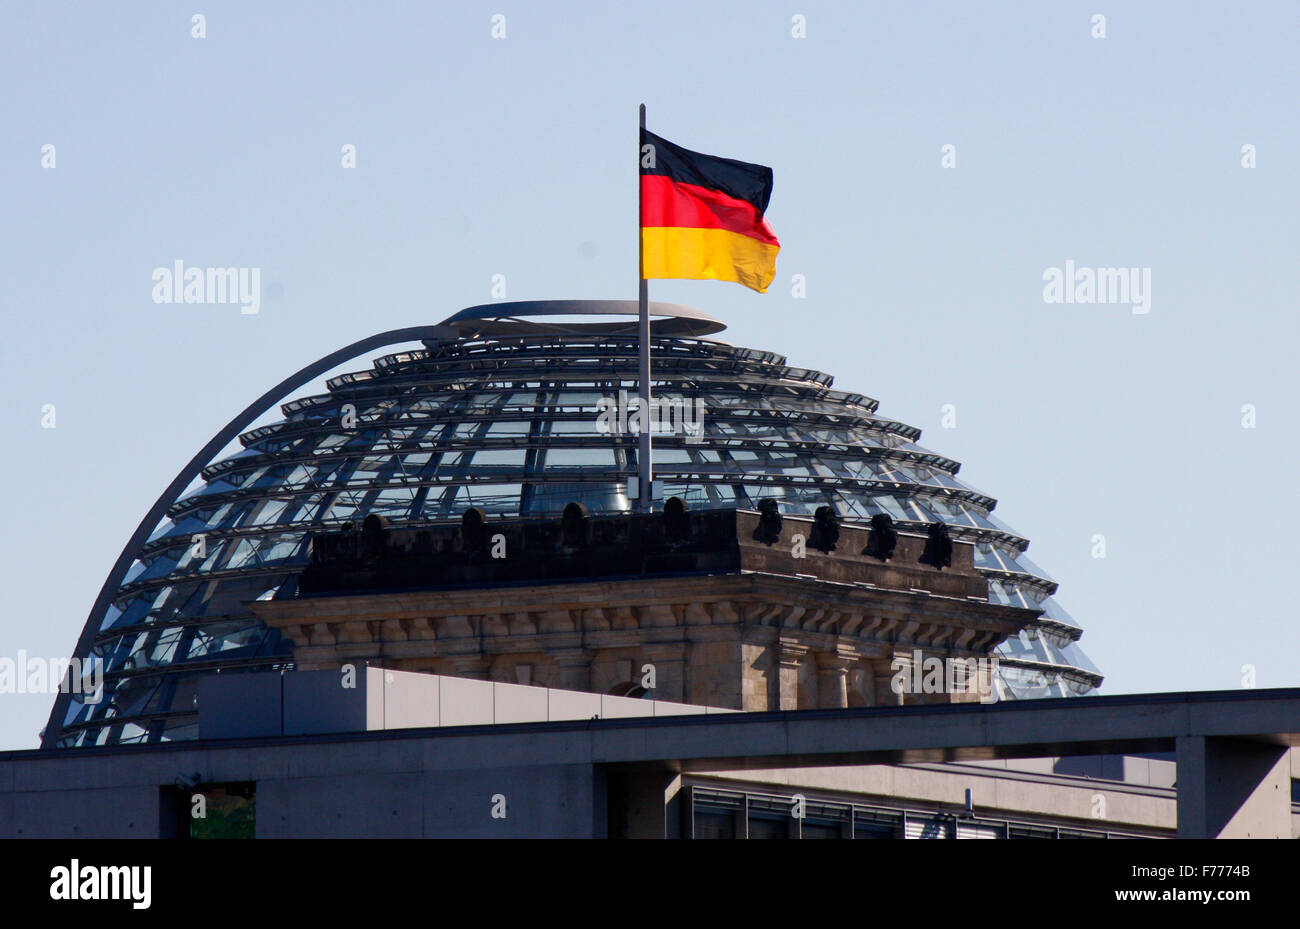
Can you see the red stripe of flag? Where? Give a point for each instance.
(665, 202)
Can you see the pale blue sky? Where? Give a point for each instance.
(478, 156)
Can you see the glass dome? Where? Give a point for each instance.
(505, 414)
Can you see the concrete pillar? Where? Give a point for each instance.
(643, 804)
(1232, 789)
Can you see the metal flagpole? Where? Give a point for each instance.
(645, 471)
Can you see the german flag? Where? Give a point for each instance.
(702, 217)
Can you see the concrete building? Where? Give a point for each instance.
(408, 754)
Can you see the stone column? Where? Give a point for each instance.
(669, 660)
(862, 685)
(832, 680)
(575, 668)
(883, 671)
(789, 656)
(474, 667)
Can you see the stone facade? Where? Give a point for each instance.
(772, 625)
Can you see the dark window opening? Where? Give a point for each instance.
(209, 811)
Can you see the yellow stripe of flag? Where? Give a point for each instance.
(707, 254)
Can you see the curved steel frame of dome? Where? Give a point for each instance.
(500, 412)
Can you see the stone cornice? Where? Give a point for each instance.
(638, 612)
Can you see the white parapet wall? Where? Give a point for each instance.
(235, 705)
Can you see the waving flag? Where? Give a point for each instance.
(702, 216)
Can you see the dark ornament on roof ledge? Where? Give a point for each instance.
(825, 530)
(374, 533)
(882, 540)
(769, 522)
(677, 523)
(938, 547)
(473, 531)
(573, 525)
